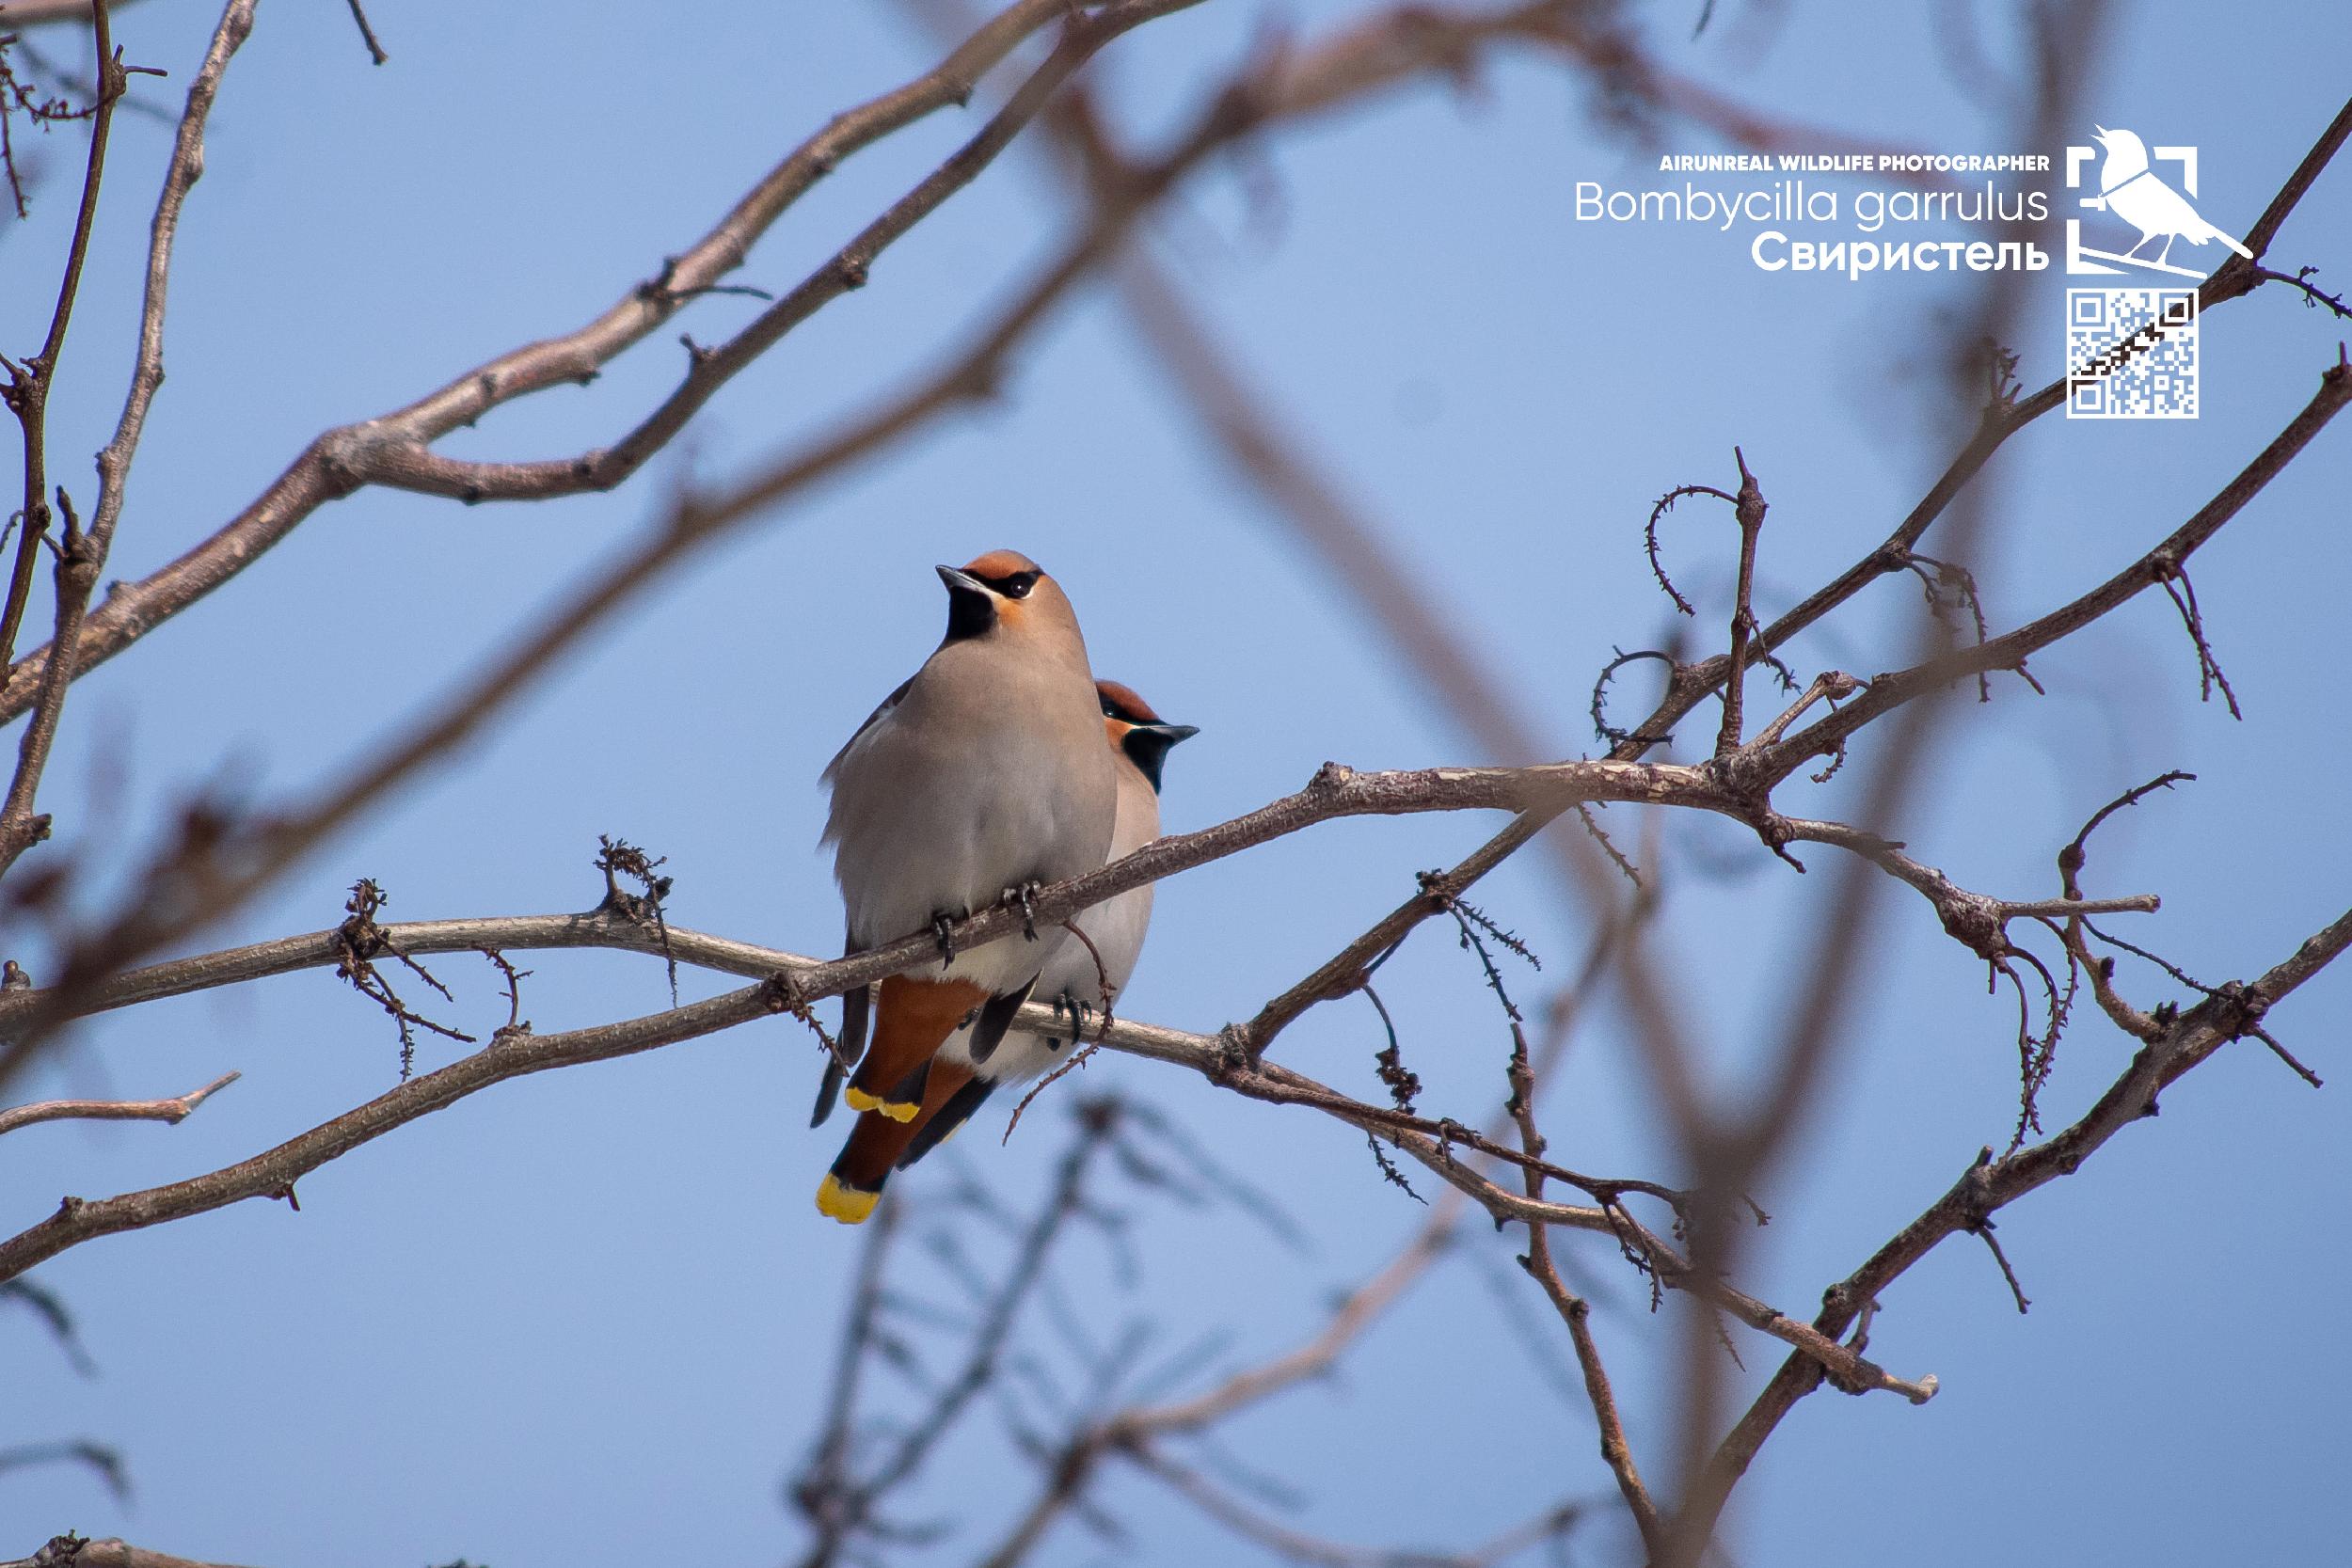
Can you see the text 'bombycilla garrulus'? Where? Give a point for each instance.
(983, 776)
(957, 1084)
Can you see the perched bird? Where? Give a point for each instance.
(2130, 189)
(981, 778)
(956, 1086)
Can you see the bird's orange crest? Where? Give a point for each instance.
(1122, 703)
(1001, 564)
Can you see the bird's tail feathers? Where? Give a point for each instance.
(988, 1030)
(938, 1128)
(905, 1098)
(828, 1089)
(911, 1020)
(878, 1144)
(836, 1200)
(856, 1009)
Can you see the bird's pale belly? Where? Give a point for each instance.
(965, 868)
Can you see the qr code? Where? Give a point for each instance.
(2131, 354)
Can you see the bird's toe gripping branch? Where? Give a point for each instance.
(1024, 898)
(943, 932)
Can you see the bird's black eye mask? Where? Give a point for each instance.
(971, 613)
(1147, 746)
(1015, 585)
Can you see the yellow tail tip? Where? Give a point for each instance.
(848, 1205)
(896, 1109)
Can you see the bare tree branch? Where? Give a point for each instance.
(72, 1551)
(1889, 692)
(333, 465)
(28, 395)
(1992, 1184)
(174, 1110)
(38, 13)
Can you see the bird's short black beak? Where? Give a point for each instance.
(1147, 745)
(971, 607)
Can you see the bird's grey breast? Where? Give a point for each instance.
(975, 780)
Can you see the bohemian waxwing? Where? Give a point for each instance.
(956, 1086)
(983, 776)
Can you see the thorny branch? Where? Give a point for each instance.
(513, 1054)
(2002, 419)
(1991, 1184)
(360, 941)
(1575, 1312)
(40, 109)
(1889, 692)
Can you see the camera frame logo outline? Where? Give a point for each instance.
(2132, 187)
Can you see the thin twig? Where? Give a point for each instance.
(173, 1110)
(1749, 508)
(367, 34)
(79, 556)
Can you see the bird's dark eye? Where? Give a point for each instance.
(1016, 586)
(1123, 705)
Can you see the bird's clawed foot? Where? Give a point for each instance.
(1081, 1013)
(940, 922)
(1025, 897)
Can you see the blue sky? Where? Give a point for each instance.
(572, 1317)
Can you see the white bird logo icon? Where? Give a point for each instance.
(2130, 189)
